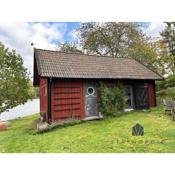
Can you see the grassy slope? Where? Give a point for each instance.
(109, 135)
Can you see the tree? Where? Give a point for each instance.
(160, 60)
(122, 40)
(144, 53)
(168, 36)
(152, 54)
(14, 80)
(69, 48)
(110, 39)
(34, 91)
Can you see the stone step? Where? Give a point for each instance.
(93, 118)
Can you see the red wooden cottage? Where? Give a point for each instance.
(69, 83)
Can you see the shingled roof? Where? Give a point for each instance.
(69, 65)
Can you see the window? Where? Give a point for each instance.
(90, 91)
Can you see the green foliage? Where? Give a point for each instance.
(112, 101)
(14, 80)
(152, 54)
(168, 93)
(69, 48)
(111, 38)
(168, 36)
(169, 60)
(36, 89)
(165, 89)
(160, 62)
(166, 83)
(33, 91)
(143, 52)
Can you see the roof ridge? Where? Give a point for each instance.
(82, 54)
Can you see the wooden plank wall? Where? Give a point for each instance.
(68, 97)
(151, 94)
(67, 100)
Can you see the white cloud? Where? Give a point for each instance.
(154, 29)
(75, 38)
(19, 36)
(74, 34)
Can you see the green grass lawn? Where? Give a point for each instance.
(111, 135)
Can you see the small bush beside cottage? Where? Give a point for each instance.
(112, 100)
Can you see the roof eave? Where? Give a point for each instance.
(123, 78)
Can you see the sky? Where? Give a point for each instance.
(47, 35)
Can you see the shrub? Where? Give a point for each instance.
(112, 100)
(168, 93)
(166, 83)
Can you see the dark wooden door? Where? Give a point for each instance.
(141, 97)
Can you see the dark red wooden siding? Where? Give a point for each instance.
(67, 100)
(43, 97)
(68, 97)
(151, 93)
